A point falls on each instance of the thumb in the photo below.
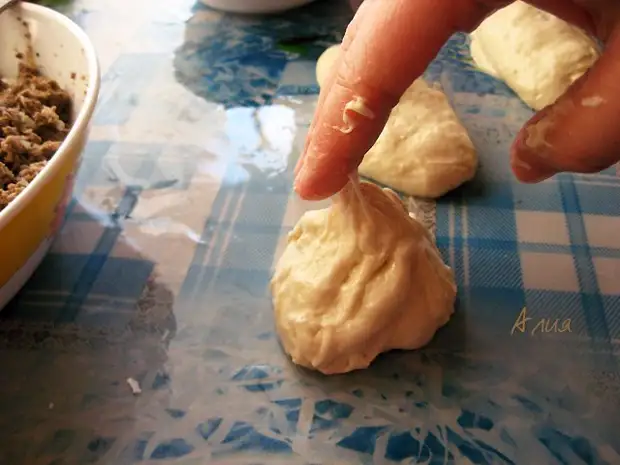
(581, 131)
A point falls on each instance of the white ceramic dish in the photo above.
(255, 6)
(62, 52)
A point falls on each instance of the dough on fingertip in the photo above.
(359, 278)
(535, 53)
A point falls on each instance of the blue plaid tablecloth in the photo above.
(183, 202)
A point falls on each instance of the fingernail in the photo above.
(299, 174)
(301, 186)
(527, 164)
(301, 181)
(302, 170)
(536, 177)
(299, 164)
(528, 167)
(304, 185)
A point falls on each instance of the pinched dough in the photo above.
(537, 54)
(423, 150)
(359, 278)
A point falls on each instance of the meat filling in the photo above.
(35, 117)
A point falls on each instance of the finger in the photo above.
(568, 11)
(580, 132)
(355, 4)
(388, 45)
(351, 32)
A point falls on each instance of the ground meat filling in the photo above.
(34, 120)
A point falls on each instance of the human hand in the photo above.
(390, 43)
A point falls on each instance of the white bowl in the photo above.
(255, 6)
(64, 53)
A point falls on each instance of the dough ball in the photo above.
(423, 150)
(537, 54)
(359, 278)
(325, 63)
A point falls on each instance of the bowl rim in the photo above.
(82, 120)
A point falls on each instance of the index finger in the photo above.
(386, 47)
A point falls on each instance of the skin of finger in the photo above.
(394, 42)
(569, 11)
(355, 4)
(604, 13)
(329, 80)
(350, 34)
(579, 133)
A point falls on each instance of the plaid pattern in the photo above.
(181, 209)
(187, 206)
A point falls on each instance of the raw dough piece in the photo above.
(359, 278)
(537, 54)
(325, 63)
(423, 150)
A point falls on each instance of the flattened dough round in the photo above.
(537, 54)
(359, 278)
(423, 150)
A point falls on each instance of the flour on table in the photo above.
(423, 150)
(537, 54)
(359, 278)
